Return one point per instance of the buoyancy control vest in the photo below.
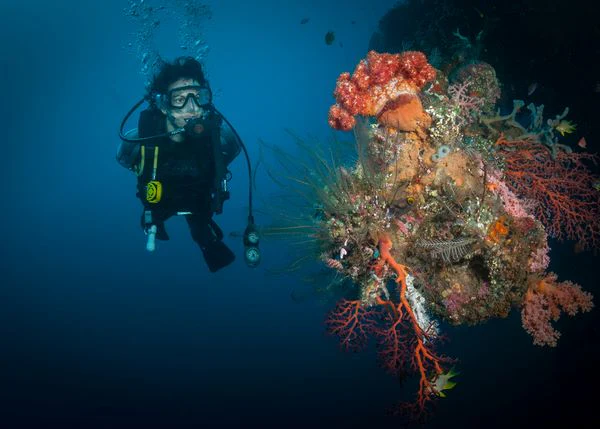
(140, 157)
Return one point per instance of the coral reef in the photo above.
(446, 212)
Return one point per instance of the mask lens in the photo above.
(179, 97)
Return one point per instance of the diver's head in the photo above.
(181, 92)
(185, 100)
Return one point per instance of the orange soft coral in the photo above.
(405, 113)
(498, 230)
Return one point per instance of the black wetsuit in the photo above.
(186, 171)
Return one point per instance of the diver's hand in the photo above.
(150, 231)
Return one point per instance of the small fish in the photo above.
(304, 20)
(565, 127)
(531, 88)
(582, 143)
(329, 37)
(596, 186)
(597, 87)
(442, 382)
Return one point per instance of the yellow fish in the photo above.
(565, 127)
(442, 382)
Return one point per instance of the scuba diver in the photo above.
(180, 152)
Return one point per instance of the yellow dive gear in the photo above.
(153, 191)
(154, 187)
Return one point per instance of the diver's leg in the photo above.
(209, 237)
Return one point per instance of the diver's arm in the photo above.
(128, 153)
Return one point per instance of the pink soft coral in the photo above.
(543, 303)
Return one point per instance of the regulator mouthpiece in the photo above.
(195, 127)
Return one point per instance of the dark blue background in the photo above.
(95, 332)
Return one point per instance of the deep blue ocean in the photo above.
(95, 332)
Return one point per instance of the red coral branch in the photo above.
(394, 345)
(424, 361)
(352, 323)
(403, 344)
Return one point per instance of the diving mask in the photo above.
(180, 97)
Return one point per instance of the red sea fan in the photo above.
(563, 186)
